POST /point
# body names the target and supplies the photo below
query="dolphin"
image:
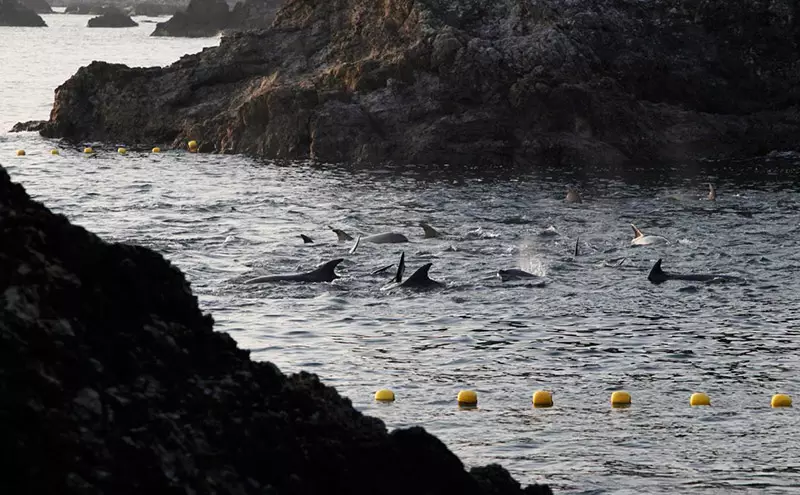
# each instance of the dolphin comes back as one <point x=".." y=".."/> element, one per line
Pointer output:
<point x="306" y="239"/>
<point x="430" y="232"/>
<point x="386" y="238"/>
<point x="323" y="273"/>
<point x="573" y="196"/>
<point x="657" y="276"/>
<point x="341" y="234"/>
<point x="576" y="246"/>
<point x="418" y="280"/>
<point x="712" y="192"/>
<point x="640" y="239"/>
<point x="514" y="274"/>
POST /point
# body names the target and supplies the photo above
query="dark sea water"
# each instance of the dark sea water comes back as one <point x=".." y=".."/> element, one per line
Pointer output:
<point x="597" y="326"/>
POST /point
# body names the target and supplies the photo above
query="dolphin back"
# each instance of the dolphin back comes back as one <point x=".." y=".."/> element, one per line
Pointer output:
<point x="325" y="272"/>
<point x="386" y="238"/>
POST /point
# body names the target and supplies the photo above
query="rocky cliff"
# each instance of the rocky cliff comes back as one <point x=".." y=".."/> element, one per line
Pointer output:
<point x="12" y="13"/>
<point x="112" y="18"/>
<point x="114" y="382"/>
<point x="575" y="83"/>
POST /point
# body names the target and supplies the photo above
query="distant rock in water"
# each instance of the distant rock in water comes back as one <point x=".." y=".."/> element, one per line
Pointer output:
<point x="14" y="14"/>
<point x="29" y="126"/>
<point x="590" y="83"/>
<point x="88" y="9"/>
<point x="202" y="18"/>
<point x="38" y="6"/>
<point x="153" y="9"/>
<point x="115" y="382"/>
<point x="114" y="19"/>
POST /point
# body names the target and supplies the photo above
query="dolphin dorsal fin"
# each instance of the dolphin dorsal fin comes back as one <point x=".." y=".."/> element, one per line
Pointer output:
<point x="578" y="240"/>
<point x="636" y="232"/>
<point x="420" y="277"/>
<point x="306" y="239"/>
<point x="401" y="267"/>
<point x="712" y="192"/>
<point x="355" y="246"/>
<point x="430" y="232"/>
<point x="341" y="235"/>
<point x="327" y="271"/>
<point x="656" y="270"/>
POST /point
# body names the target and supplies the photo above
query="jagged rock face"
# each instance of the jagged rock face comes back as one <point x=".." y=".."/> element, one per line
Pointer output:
<point x="254" y="14"/>
<point x="584" y="82"/>
<point x="112" y="19"/>
<point x="113" y="381"/>
<point x="202" y="18"/>
<point x="154" y="9"/>
<point x="38" y="6"/>
<point x="14" y="14"/>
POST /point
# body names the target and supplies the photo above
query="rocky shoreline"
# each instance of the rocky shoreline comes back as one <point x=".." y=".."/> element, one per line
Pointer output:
<point x="487" y="82"/>
<point x="115" y="382"/>
<point x="13" y="13"/>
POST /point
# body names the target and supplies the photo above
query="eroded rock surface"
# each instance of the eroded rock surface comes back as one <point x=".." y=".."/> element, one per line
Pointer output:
<point x="583" y="82"/>
<point x="114" y="382"/>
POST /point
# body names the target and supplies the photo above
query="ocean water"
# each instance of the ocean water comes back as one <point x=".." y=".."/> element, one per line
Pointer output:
<point x="596" y="326"/>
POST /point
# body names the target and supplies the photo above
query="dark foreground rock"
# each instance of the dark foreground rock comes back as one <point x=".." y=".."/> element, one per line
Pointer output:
<point x="38" y="6"/>
<point x="586" y="82"/>
<point x="14" y="14"/>
<point x="112" y="19"/>
<point x="203" y="18"/>
<point x="114" y="382"/>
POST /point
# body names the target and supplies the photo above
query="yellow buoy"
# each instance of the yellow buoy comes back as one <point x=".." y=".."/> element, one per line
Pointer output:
<point x="156" y="150"/>
<point x="192" y="145"/>
<point x="781" y="400"/>
<point x="88" y="150"/>
<point x="121" y="151"/>
<point x="620" y="398"/>
<point x="542" y="398"/>
<point x="20" y="152"/>
<point x="467" y="398"/>
<point x="699" y="399"/>
<point x="384" y="395"/>
<point x="54" y="152"/>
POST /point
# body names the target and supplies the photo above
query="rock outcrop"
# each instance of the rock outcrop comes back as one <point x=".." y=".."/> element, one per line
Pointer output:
<point x="29" y="126"/>
<point x="202" y="18"/>
<point x="38" y="6"/>
<point x="14" y="14"/>
<point x="586" y="82"/>
<point x="209" y="18"/>
<point x="112" y="19"/>
<point x="113" y="381"/>
<point x="153" y="9"/>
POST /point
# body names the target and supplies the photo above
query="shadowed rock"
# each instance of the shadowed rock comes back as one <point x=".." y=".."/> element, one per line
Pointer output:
<point x="29" y="126"/>
<point x="114" y="381"/>
<point x="38" y="6"/>
<point x="13" y="13"/>
<point x="589" y="83"/>
<point x="112" y="19"/>
<point x="202" y="18"/>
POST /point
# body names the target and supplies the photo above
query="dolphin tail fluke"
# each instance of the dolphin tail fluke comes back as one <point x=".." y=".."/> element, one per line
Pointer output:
<point x="401" y="267"/>
<point x="355" y="246"/>
<point x="636" y="232"/>
<point x="306" y="239"/>
<point x="327" y="271"/>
